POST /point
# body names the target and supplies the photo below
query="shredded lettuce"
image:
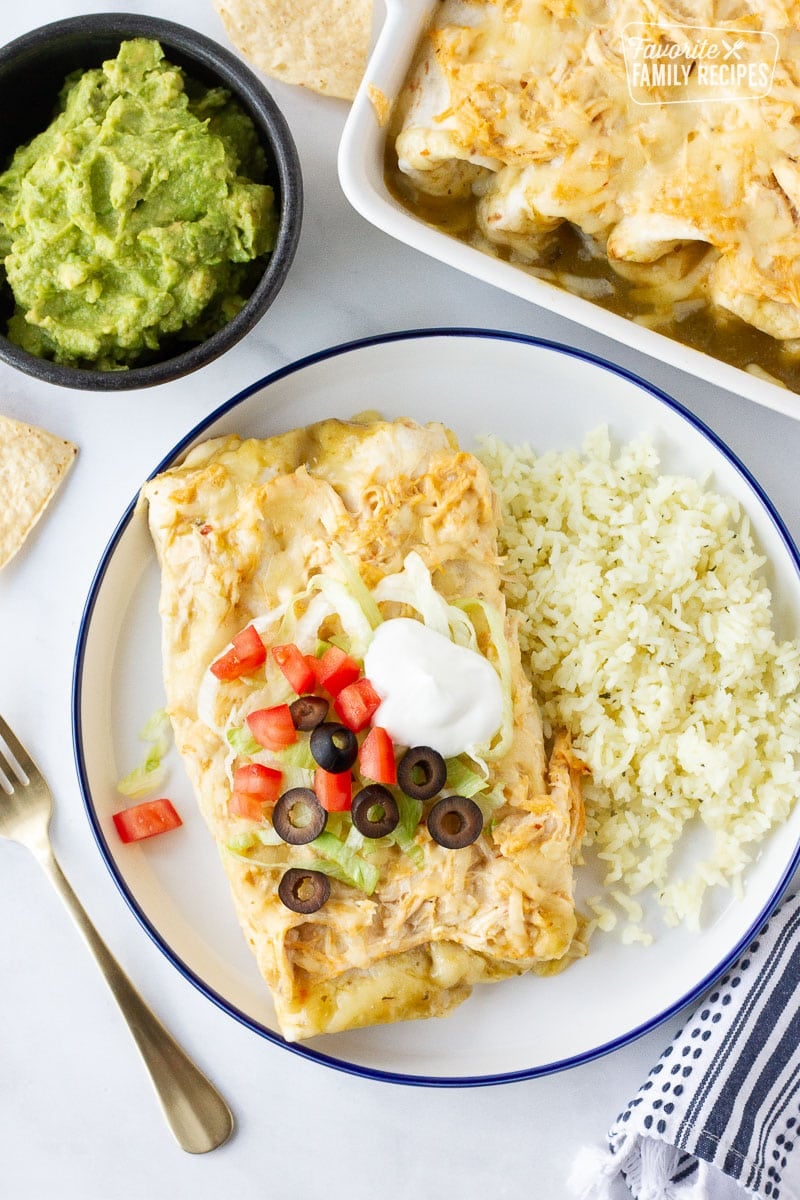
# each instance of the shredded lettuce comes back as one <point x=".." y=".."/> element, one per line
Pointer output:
<point x="157" y="731"/>
<point x="144" y="778"/>
<point x="305" y="633"/>
<point x="262" y="623"/>
<point x="264" y="835"/>
<point x="338" y="859"/>
<point x="242" y="741"/>
<point x="497" y="635"/>
<point x="295" y="762"/>
<point x="157" y="728"/>
<point x="488" y="803"/>
<point x="355" y="839"/>
<point x="254" y="862"/>
<point x="357" y="586"/>
<point x="298" y="754"/>
<point x="297" y="777"/>
<point x="341" y="850"/>
<point x="348" y="609"/>
<point x="402" y="835"/>
<point x="462" y="779"/>
<point x="338" y="824"/>
<point x="210" y="686"/>
<point x="413" y="586"/>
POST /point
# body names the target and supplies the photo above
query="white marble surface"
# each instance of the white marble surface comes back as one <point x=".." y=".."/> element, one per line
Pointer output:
<point x="77" y="1116"/>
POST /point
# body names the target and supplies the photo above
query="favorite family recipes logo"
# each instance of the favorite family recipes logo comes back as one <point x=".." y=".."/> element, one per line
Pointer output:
<point x="685" y="64"/>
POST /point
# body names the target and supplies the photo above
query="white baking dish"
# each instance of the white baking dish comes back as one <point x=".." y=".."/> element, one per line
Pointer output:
<point x="361" y="158"/>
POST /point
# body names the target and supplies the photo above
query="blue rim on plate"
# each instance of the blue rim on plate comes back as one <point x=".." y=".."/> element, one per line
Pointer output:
<point x="306" y="1051"/>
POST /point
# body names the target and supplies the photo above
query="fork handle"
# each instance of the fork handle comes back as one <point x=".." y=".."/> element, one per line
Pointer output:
<point x="195" y="1111"/>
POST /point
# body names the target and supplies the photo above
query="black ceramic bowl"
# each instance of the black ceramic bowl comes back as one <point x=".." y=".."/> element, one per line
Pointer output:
<point x="32" y="72"/>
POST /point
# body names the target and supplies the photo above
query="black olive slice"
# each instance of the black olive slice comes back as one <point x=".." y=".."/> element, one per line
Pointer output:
<point x="298" y="817"/>
<point x="455" y="821"/>
<point x="308" y="712"/>
<point x="421" y="772"/>
<point x="334" y="747"/>
<point x="303" y="890"/>
<point x="375" y="812"/>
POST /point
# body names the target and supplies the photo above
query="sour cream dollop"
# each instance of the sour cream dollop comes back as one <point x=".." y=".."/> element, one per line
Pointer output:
<point x="433" y="692"/>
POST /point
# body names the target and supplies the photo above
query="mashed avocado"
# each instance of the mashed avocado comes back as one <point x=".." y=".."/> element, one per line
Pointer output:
<point x="136" y="217"/>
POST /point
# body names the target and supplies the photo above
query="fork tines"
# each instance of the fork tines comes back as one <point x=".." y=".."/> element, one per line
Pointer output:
<point x="15" y="764"/>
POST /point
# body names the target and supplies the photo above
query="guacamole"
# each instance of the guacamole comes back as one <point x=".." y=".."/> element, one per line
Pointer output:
<point x="136" y="219"/>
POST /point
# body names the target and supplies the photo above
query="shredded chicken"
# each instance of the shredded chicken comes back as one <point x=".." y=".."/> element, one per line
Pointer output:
<point x="240" y="528"/>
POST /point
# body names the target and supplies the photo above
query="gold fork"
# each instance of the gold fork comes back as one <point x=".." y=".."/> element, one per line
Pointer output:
<point x="197" y="1114"/>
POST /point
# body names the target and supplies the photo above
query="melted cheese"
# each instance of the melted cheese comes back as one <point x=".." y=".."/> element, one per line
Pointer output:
<point x="526" y="104"/>
<point x="240" y="527"/>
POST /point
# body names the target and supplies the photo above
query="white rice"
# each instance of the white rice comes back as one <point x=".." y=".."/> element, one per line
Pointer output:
<point x="647" y="631"/>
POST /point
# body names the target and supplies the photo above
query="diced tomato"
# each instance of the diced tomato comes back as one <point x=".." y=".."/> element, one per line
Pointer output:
<point x="335" y="670"/>
<point x="334" y="791"/>
<point x="272" y="727"/>
<point x="246" y="654"/>
<point x="376" y="757"/>
<point x="146" y="820"/>
<point x="356" y="703"/>
<point x="301" y="675"/>
<point x="254" y="785"/>
<point x="313" y="663"/>
<point x="258" y="780"/>
<point x="243" y="804"/>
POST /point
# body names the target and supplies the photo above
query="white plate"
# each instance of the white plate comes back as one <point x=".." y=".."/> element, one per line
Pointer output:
<point x="477" y="382"/>
<point x="361" y="174"/>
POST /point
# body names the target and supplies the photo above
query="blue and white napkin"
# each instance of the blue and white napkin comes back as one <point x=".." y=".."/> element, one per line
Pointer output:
<point x="719" y="1114"/>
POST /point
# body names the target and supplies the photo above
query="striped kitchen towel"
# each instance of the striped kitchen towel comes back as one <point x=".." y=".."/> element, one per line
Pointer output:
<point x="719" y="1114"/>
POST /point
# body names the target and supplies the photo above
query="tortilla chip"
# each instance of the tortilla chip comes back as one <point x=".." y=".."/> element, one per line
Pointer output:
<point x="32" y="464"/>
<point x="321" y="44"/>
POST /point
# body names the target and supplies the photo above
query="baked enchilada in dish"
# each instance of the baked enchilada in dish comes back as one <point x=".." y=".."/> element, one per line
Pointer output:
<point x="346" y="691"/>
<point x="530" y="129"/>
